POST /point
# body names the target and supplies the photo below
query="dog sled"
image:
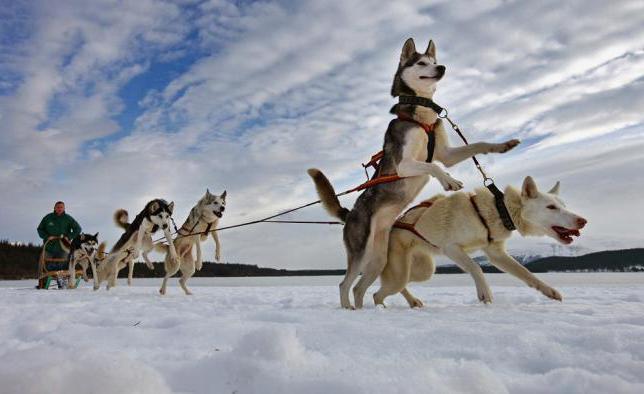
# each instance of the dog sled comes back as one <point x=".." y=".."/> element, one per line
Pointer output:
<point x="59" y="275"/>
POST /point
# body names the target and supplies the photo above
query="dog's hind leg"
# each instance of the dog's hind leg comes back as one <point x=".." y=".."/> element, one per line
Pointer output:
<point x="458" y="255"/>
<point x="376" y="252"/>
<point x="171" y="268"/>
<point x="354" y="266"/>
<point x="130" y="272"/>
<point x="506" y="263"/>
<point x="395" y="275"/>
<point x="187" y="270"/>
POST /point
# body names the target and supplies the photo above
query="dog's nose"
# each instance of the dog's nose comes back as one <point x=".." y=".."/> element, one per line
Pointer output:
<point x="581" y="222"/>
<point x="222" y="209"/>
<point x="165" y="226"/>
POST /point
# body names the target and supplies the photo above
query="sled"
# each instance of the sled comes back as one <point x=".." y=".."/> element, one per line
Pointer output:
<point x="47" y="277"/>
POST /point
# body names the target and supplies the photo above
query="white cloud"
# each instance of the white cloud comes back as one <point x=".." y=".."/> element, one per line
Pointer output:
<point x="282" y="86"/>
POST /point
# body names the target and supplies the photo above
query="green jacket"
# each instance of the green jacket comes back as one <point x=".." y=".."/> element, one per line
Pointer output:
<point x="53" y="225"/>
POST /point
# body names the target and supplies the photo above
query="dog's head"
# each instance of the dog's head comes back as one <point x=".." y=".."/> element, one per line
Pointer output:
<point x="417" y="73"/>
<point x="547" y="213"/>
<point x="159" y="213"/>
<point x="88" y="243"/>
<point x="212" y="206"/>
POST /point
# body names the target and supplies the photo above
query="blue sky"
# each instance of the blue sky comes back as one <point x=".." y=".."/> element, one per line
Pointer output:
<point x="107" y="104"/>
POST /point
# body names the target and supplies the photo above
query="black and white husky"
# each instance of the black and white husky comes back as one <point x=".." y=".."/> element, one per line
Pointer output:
<point x="156" y="215"/>
<point x="201" y="222"/>
<point x="406" y="154"/>
<point x="82" y="251"/>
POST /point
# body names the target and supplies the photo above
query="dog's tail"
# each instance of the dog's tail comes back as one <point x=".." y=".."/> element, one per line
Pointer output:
<point x="100" y="253"/>
<point x="121" y="218"/>
<point x="327" y="195"/>
<point x="161" y="248"/>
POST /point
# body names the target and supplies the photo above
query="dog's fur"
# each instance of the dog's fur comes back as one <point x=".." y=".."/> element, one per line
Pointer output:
<point x="368" y="224"/>
<point x="137" y="237"/>
<point x="82" y="251"/>
<point x="453" y="227"/>
<point x="204" y="216"/>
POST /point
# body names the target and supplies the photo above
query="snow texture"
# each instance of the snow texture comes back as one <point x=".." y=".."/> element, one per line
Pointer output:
<point x="288" y="335"/>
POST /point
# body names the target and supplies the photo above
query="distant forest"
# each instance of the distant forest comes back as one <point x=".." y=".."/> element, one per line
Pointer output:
<point x="19" y="261"/>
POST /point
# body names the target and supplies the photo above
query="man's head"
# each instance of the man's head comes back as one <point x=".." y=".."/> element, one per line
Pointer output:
<point x="59" y="208"/>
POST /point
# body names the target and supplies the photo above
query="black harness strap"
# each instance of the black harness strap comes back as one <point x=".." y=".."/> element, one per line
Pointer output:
<point x="500" y="207"/>
<point x="422" y="101"/>
<point x="478" y="212"/>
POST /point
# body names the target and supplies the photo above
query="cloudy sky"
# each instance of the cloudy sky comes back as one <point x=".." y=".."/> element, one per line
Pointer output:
<point x="108" y="104"/>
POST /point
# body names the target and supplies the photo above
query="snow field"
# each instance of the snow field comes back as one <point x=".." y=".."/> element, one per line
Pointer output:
<point x="296" y="339"/>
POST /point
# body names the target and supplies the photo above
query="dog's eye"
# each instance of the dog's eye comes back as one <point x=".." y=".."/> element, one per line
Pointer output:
<point x="551" y="206"/>
<point x="421" y="63"/>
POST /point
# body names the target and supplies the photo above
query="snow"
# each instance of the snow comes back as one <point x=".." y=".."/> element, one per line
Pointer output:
<point x="288" y="335"/>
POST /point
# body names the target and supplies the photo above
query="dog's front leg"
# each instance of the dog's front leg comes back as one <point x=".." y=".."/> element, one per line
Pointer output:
<point x="410" y="167"/>
<point x="458" y="255"/>
<point x="173" y="251"/>
<point x="94" y="274"/>
<point x="450" y="156"/>
<point x="199" y="262"/>
<point x="215" y="237"/>
<point x="72" y="272"/>
<point x="506" y="263"/>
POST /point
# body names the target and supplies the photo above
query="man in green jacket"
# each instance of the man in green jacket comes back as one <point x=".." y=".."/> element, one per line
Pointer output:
<point x="58" y="224"/>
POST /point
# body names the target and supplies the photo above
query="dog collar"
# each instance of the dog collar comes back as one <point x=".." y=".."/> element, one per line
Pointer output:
<point x="422" y="101"/>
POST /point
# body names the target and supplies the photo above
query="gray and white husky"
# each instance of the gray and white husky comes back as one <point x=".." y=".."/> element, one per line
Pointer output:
<point x="203" y="218"/>
<point x="82" y="251"/>
<point x="463" y="223"/>
<point x="137" y="237"/>
<point x="405" y="148"/>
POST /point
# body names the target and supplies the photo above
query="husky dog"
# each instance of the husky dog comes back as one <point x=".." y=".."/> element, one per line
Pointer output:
<point x="137" y="237"/>
<point x="462" y="223"/>
<point x="406" y="154"/>
<point x="82" y="251"/>
<point x="203" y="218"/>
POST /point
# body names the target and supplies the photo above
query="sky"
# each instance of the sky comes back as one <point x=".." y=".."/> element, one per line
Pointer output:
<point x="109" y="104"/>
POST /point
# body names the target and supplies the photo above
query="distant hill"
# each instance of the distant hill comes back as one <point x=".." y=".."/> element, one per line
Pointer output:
<point x="19" y="261"/>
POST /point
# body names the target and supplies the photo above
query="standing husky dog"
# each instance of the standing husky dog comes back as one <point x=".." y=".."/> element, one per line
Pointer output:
<point x="82" y="251"/>
<point x="138" y="236"/>
<point x="406" y="154"/>
<point x="202" y="220"/>
<point x="463" y="223"/>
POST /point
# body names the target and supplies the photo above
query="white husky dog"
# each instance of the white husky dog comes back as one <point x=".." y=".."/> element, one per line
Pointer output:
<point x="203" y="218"/>
<point x="463" y="223"/>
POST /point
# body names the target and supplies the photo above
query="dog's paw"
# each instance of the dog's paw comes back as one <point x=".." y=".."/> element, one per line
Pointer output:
<point x="217" y="257"/>
<point x="551" y="293"/>
<point x="506" y="146"/>
<point x="450" y="184"/>
<point x="416" y="303"/>
<point x="485" y="296"/>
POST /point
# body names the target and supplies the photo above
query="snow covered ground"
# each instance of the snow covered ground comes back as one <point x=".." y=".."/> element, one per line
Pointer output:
<point x="288" y="335"/>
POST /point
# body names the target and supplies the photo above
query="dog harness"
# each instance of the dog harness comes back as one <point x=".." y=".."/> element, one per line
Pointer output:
<point x="411" y="227"/>
<point x="431" y="143"/>
<point x="478" y="212"/>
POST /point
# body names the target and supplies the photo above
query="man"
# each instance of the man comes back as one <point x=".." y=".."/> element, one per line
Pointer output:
<point x="58" y="224"/>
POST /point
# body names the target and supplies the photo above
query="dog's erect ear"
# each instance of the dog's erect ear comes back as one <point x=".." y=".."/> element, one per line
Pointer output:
<point x="555" y="189"/>
<point x="529" y="188"/>
<point x="408" y="50"/>
<point x="431" y="49"/>
<point x="96" y="235"/>
<point x="153" y="207"/>
<point x="82" y="237"/>
<point x="171" y="207"/>
<point x="223" y="195"/>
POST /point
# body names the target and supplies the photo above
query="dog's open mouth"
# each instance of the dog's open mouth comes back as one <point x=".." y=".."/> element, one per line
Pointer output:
<point x="565" y="234"/>
<point x="218" y="214"/>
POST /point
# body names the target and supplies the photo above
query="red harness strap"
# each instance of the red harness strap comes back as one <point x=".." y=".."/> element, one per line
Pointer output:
<point x="375" y="159"/>
<point x="412" y="227"/>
